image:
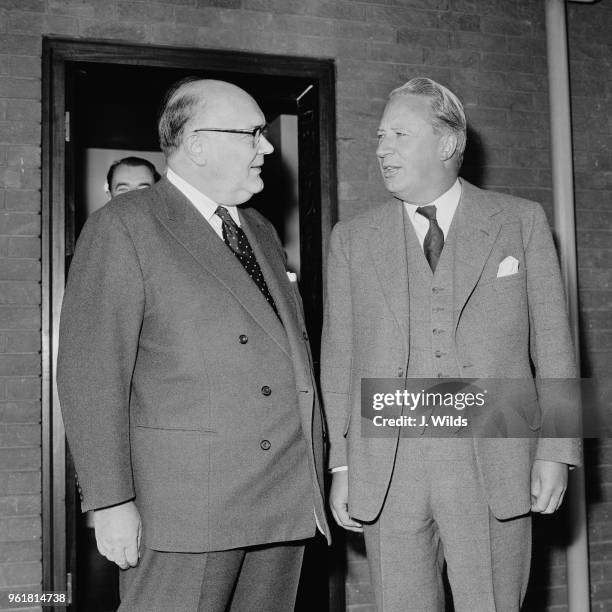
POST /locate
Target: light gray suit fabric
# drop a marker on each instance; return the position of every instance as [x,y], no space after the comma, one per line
[499,327]
[166,349]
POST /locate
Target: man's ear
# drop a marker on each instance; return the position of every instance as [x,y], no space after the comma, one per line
[448,145]
[195,149]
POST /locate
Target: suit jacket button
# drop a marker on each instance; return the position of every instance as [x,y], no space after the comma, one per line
[265,445]
[243,339]
[265,390]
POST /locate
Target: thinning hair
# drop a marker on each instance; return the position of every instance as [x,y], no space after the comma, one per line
[132,162]
[176,109]
[446,110]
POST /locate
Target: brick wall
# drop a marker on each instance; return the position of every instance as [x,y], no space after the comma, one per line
[491,52]
[591,69]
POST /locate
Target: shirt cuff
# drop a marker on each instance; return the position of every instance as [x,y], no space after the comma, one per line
[340,468]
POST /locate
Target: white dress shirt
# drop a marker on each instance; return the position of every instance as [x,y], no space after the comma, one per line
[446,205]
[205,206]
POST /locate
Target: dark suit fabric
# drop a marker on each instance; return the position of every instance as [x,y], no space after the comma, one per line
[179,385]
[387,316]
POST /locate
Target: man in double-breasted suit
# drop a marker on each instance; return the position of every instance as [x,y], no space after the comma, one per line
[185,375]
[447,281]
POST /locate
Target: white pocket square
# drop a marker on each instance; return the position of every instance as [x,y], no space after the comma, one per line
[508,266]
[292,276]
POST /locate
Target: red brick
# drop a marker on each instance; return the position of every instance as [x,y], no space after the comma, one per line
[20,483]
[110,29]
[477,41]
[20,246]
[530,158]
[231,4]
[19,269]
[20,44]
[526,46]
[19,459]
[20,66]
[446,57]
[504,62]
[595,219]
[27,293]
[512,100]
[24,110]
[20,505]
[24,5]
[13,435]
[145,12]
[20,177]
[60,25]
[335,9]
[79,8]
[395,16]
[330,47]
[19,412]
[20,224]
[16,574]
[19,365]
[24,317]
[208,17]
[381,52]
[363,31]
[19,21]
[171,34]
[488,117]
[16,132]
[23,389]
[22,200]
[597,340]
[425,38]
[24,157]
[11,552]
[359,593]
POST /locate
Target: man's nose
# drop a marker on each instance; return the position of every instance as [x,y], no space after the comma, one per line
[383,147]
[265,146]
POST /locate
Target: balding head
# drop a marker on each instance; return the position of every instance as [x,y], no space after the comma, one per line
[191,98]
[211,134]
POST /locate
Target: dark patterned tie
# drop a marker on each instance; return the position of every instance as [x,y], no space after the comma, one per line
[237,241]
[434,239]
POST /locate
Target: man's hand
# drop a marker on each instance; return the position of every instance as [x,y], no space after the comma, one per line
[548,484]
[338,501]
[118,531]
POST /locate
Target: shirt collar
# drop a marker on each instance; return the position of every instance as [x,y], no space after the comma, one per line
[446,205]
[206,207]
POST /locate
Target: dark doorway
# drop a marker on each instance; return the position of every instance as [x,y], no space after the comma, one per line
[101,96]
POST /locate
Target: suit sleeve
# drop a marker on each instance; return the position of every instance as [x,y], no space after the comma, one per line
[551,344]
[100,324]
[337,349]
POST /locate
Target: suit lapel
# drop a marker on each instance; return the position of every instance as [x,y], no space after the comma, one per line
[387,245]
[196,235]
[475,230]
[273,267]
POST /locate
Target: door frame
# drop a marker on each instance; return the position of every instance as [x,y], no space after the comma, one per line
[58,501]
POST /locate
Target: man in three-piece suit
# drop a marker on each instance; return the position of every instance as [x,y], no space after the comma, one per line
[447,281]
[185,375]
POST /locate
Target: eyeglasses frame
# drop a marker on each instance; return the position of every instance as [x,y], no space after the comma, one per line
[252,133]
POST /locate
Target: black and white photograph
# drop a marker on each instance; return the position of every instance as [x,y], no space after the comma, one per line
[306,305]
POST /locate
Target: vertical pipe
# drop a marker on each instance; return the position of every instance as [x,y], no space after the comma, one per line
[565,230]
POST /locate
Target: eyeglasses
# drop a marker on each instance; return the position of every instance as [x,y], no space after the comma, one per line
[255,133]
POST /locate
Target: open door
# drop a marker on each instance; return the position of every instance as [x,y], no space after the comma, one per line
[103,97]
